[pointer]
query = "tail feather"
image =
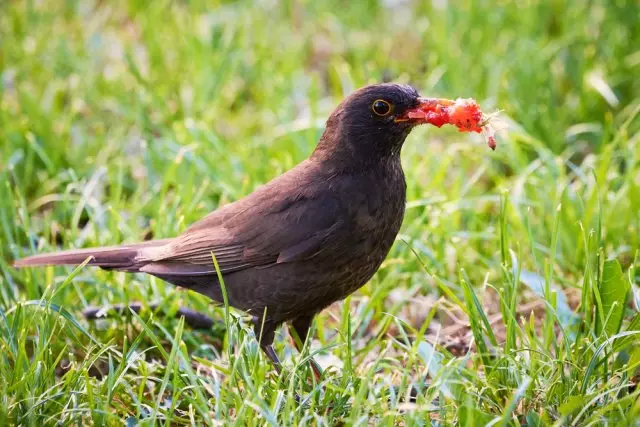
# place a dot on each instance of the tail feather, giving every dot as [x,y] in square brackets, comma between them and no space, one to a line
[114,257]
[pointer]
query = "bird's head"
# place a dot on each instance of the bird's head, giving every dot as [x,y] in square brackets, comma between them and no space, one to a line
[372,123]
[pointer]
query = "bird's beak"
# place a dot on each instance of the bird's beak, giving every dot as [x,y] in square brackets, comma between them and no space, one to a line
[428,111]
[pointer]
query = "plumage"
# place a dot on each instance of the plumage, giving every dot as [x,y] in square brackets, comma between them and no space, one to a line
[300,242]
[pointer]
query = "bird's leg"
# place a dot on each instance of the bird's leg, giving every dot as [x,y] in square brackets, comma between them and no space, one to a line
[265,333]
[301,326]
[271,354]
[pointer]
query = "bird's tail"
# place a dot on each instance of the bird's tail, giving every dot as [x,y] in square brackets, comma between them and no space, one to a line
[115,257]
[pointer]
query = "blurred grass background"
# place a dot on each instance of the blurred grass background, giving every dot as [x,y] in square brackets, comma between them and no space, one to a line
[122,121]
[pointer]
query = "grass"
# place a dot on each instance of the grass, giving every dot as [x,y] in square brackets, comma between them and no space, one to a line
[511,296]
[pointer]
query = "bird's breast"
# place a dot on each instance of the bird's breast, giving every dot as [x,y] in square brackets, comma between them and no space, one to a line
[377,210]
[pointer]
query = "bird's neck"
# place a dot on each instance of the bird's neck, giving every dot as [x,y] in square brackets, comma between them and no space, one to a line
[341,150]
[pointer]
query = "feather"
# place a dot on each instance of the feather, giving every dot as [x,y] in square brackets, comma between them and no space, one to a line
[117,257]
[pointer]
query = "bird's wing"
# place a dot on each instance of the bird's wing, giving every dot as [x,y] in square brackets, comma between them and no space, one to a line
[269,226]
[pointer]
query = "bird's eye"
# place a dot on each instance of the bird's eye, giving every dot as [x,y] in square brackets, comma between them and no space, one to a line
[381,107]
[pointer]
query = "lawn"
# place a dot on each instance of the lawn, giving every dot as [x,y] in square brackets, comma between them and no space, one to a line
[510,297]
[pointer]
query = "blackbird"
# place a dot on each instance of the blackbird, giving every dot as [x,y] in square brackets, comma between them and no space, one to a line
[308,238]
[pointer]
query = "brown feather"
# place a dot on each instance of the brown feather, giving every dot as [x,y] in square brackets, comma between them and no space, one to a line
[116,257]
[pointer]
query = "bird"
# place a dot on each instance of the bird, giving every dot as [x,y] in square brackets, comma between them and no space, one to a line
[306,239]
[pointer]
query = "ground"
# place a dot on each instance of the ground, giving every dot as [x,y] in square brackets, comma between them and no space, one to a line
[510,297]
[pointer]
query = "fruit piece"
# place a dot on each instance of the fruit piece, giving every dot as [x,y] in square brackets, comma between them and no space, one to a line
[465,114]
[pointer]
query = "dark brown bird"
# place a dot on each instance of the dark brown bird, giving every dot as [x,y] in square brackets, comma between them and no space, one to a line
[308,238]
